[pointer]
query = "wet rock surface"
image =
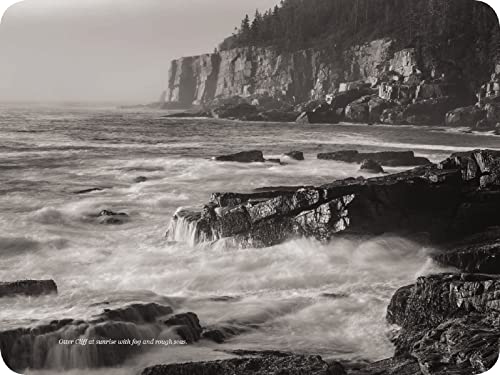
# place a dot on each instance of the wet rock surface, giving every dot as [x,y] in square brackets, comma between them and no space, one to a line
[387,158]
[371,166]
[243,157]
[33,347]
[455,198]
[109,217]
[296,155]
[253,363]
[30,288]
[449,323]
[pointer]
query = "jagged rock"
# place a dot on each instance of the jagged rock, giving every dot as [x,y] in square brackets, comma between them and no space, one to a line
[371,166]
[479,253]
[440,201]
[324,114]
[358,110]
[112,218]
[30,288]
[393,116]
[492,113]
[480,165]
[464,116]
[376,106]
[449,322]
[33,347]
[243,157]
[388,158]
[296,155]
[253,363]
[422,112]
[187,326]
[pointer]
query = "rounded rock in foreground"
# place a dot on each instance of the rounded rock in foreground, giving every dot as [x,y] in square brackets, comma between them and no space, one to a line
[369,165]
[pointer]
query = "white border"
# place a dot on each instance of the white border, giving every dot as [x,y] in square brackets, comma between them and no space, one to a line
[5,4]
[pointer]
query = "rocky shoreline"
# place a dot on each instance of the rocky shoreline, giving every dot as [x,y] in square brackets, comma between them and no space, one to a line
[372,83]
[443,323]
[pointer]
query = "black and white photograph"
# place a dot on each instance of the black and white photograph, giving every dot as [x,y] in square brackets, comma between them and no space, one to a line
[249,187]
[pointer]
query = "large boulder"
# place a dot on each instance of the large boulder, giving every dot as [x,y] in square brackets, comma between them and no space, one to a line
[369,165]
[464,116]
[31,288]
[358,110]
[333,111]
[186,325]
[253,363]
[243,157]
[449,323]
[376,106]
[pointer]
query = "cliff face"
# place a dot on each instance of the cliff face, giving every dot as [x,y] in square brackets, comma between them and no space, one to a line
[297,76]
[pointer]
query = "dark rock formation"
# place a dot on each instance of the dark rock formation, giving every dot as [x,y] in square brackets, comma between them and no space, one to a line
[456,198]
[387,158]
[90,190]
[189,114]
[371,166]
[479,253]
[140,179]
[449,323]
[253,363]
[33,348]
[112,218]
[243,157]
[423,112]
[296,155]
[335,110]
[186,325]
[464,116]
[30,288]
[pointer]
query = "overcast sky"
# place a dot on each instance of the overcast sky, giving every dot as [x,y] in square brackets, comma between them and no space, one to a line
[107,50]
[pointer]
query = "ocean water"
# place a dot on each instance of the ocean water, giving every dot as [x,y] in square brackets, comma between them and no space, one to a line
[304,296]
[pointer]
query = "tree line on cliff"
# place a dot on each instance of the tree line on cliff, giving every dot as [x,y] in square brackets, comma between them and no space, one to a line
[298,24]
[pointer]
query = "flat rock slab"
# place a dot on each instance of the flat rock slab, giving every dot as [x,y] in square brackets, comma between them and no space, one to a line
[31,288]
[243,157]
[386,158]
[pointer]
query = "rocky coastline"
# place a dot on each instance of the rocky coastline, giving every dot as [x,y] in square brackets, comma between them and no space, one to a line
[373,83]
[441,324]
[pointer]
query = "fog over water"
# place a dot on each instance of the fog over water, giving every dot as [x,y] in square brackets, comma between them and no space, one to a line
[107,50]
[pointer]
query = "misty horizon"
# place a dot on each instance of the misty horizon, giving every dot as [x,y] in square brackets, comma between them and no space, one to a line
[106,50]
